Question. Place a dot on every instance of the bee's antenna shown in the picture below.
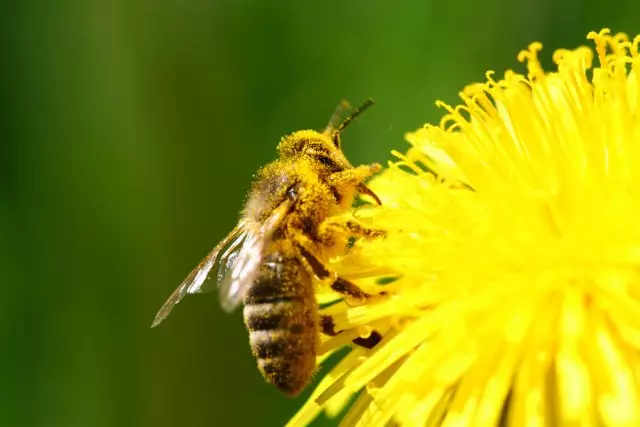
(354, 114)
(335, 135)
(337, 114)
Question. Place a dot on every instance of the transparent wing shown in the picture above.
(196, 281)
(337, 115)
(243, 265)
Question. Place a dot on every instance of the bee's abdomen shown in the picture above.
(280, 314)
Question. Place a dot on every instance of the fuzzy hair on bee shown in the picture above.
(271, 261)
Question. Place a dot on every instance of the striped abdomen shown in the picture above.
(281, 315)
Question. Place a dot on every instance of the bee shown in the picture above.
(285, 236)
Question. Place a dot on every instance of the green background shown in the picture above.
(129, 134)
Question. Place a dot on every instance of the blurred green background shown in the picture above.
(130, 132)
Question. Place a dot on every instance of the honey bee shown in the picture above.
(284, 238)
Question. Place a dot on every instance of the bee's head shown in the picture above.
(318, 148)
(323, 149)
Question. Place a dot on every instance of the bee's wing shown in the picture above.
(337, 116)
(196, 281)
(242, 266)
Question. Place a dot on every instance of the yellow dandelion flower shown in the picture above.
(513, 256)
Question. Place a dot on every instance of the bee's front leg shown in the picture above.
(354, 176)
(351, 181)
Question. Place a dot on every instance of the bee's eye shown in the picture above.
(326, 160)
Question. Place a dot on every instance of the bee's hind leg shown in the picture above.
(328, 327)
(352, 294)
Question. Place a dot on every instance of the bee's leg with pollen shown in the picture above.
(354, 176)
(352, 294)
(348, 179)
(347, 289)
(310, 262)
(328, 327)
(332, 227)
